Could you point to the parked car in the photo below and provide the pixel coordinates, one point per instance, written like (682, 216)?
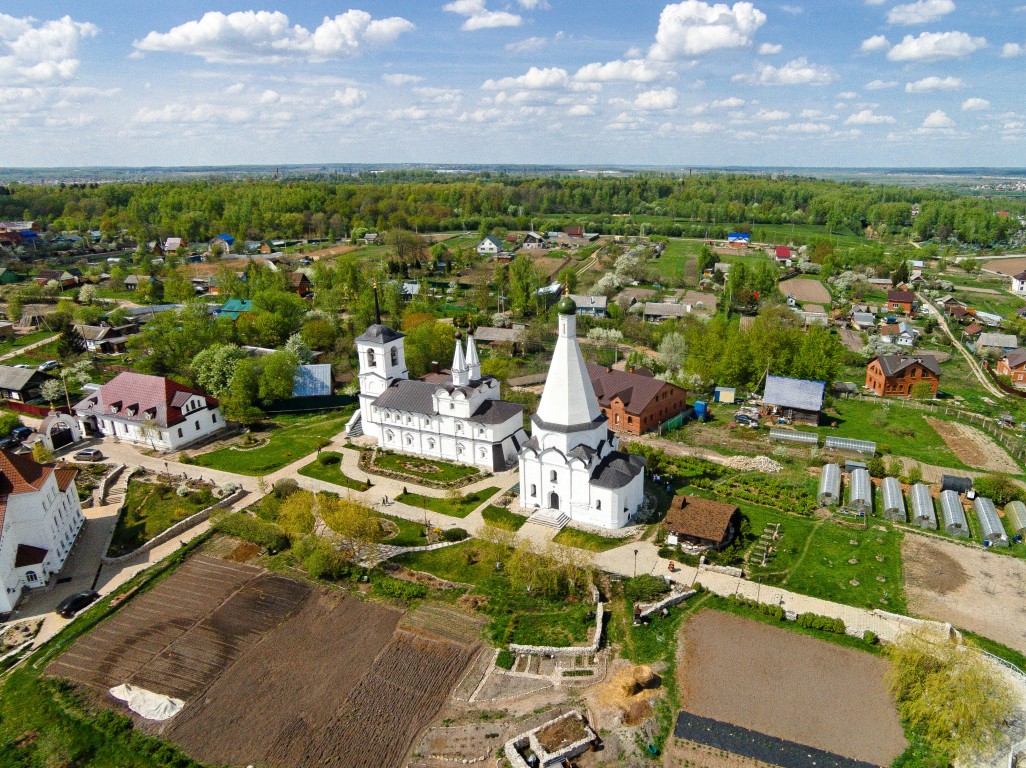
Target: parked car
(88, 454)
(8, 442)
(22, 365)
(20, 433)
(69, 606)
(49, 365)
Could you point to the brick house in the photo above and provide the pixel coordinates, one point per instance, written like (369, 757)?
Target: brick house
(635, 403)
(1013, 365)
(900, 301)
(896, 375)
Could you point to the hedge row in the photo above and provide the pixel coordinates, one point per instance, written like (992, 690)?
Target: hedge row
(251, 529)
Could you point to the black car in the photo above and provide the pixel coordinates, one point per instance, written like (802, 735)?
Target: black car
(20, 433)
(69, 606)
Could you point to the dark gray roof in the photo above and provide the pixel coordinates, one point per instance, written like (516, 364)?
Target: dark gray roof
(802, 394)
(617, 470)
(568, 428)
(496, 412)
(379, 334)
(18, 378)
(893, 364)
(583, 452)
(1016, 357)
(408, 395)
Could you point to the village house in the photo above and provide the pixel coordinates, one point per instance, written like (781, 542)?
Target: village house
(490, 246)
(149, 410)
(21, 384)
(106, 339)
(1019, 284)
(172, 244)
(8, 276)
(233, 308)
(68, 278)
(591, 306)
(633, 402)
(900, 301)
(534, 240)
(782, 256)
(137, 282)
(40, 518)
(904, 334)
(863, 321)
(797, 400)
(299, 283)
(701, 523)
(1013, 365)
(896, 375)
(996, 343)
(221, 244)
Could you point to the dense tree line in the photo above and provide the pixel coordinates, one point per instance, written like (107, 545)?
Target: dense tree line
(647, 203)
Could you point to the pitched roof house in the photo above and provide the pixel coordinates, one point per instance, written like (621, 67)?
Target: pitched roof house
(235, 307)
(1019, 284)
(633, 402)
(68, 278)
(702, 522)
(896, 375)
(1013, 365)
(489, 246)
(996, 342)
(900, 301)
(799, 400)
(299, 283)
(21, 384)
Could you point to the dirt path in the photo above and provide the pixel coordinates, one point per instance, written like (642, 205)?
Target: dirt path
(973, 365)
(973, 447)
(23, 350)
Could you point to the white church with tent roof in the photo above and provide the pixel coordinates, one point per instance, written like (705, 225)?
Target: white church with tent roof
(455, 415)
(571, 468)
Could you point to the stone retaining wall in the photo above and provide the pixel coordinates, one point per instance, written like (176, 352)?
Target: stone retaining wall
(674, 598)
(101, 491)
(945, 630)
(737, 573)
(567, 650)
(176, 529)
(530, 740)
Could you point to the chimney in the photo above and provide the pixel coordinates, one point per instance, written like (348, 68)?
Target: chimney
(632, 369)
(609, 369)
(434, 366)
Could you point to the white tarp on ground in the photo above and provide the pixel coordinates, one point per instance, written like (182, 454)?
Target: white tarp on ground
(152, 706)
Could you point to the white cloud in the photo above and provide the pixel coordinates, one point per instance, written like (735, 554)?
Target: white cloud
(528, 45)
(693, 28)
(632, 70)
(192, 113)
(879, 85)
(796, 72)
(769, 49)
(349, 97)
(479, 17)
(934, 83)
(732, 102)
(408, 113)
(580, 110)
(265, 36)
(1009, 50)
(534, 5)
(656, 99)
(875, 44)
(938, 120)
(868, 117)
(771, 115)
(533, 79)
(933, 46)
(398, 79)
(704, 127)
(794, 10)
(33, 52)
(439, 95)
(847, 95)
(816, 114)
(975, 104)
(807, 128)
(920, 12)
(875, 2)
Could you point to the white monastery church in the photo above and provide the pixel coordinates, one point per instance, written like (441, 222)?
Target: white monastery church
(454, 416)
(571, 467)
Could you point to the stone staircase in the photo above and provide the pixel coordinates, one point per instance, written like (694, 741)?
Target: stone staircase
(552, 518)
(116, 493)
(355, 426)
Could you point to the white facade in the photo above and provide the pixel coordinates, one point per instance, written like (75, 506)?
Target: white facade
(37, 529)
(490, 246)
(1019, 284)
(571, 463)
(199, 422)
(459, 419)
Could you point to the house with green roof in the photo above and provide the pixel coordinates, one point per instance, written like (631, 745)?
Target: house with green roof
(235, 307)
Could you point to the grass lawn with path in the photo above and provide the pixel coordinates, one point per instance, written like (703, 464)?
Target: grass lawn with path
(292, 438)
(453, 507)
(428, 469)
(593, 542)
(409, 533)
(150, 509)
(332, 472)
(502, 518)
(20, 342)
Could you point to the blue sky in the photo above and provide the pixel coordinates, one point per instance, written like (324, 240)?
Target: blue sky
(814, 83)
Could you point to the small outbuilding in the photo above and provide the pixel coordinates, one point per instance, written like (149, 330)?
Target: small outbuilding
(702, 522)
(923, 513)
(990, 524)
(829, 486)
(893, 500)
(798, 400)
(953, 515)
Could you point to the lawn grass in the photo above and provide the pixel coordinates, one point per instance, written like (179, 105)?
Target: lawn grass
(593, 542)
(35, 357)
(292, 438)
(679, 260)
(460, 507)
(19, 342)
(567, 626)
(150, 509)
(332, 473)
(410, 534)
(896, 429)
(502, 518)
(427, 469)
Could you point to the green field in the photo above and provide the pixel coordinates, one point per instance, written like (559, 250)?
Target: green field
(679, 261)
(332, 473)
(453, 507)
(502, 518)
(20, 342)
(293, 438)
(426, 469)
(150, 509)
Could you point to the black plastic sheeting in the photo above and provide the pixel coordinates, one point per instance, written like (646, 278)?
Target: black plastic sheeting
(758, 746)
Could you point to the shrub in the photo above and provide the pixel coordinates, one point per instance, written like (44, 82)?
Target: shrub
(404, 590)
(644, 588)
(325, 562)
(327, 459)
(184, 458)
(505, 659)
(869, 637)
(284, 488)
(259, 532)
(454, 534)
(821, 623)
(876, 467)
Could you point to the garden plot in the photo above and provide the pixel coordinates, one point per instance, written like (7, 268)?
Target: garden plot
(790, 686)
(972, 588)
(806, 289)
(974, 448)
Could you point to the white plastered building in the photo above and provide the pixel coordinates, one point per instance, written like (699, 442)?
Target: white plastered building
(40, 518)
(571, 466)
(456, 416)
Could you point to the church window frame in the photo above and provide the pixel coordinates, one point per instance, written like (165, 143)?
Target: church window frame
(395, 355)
(552, 476)
(371, 361)
(534, 490)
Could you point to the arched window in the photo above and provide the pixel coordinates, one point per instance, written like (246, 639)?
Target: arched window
(371, 362)
(409, 439)
(459, 427)
(395, 356)
(460, 449)
(534, 489)
(552, 475)
(431, 443)
(389, 435)
(483, 453)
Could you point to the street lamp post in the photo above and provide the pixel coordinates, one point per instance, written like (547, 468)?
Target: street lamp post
(635, 563)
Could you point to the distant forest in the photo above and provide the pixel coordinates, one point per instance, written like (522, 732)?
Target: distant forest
(425, 201)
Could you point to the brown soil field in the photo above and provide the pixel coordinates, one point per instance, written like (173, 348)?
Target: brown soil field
(973, 447)
(970, 587)
(805, 289)
(679, 752)
(788, 685)
(1006, 266)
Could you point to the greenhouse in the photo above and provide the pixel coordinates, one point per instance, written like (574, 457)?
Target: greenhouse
(860, 493)
(893, 501)
(866, 447)
(829, 486)
(794, 436)
(1015, 514)
(953, 514)
(923, 513)
(990, 524)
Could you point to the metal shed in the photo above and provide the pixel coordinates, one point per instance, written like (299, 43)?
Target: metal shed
(990, 524)
(860, 493)
(829, 486)
(923, 513)
(953, 514)
(893, 501)
(1015, 514)
(794, 436)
